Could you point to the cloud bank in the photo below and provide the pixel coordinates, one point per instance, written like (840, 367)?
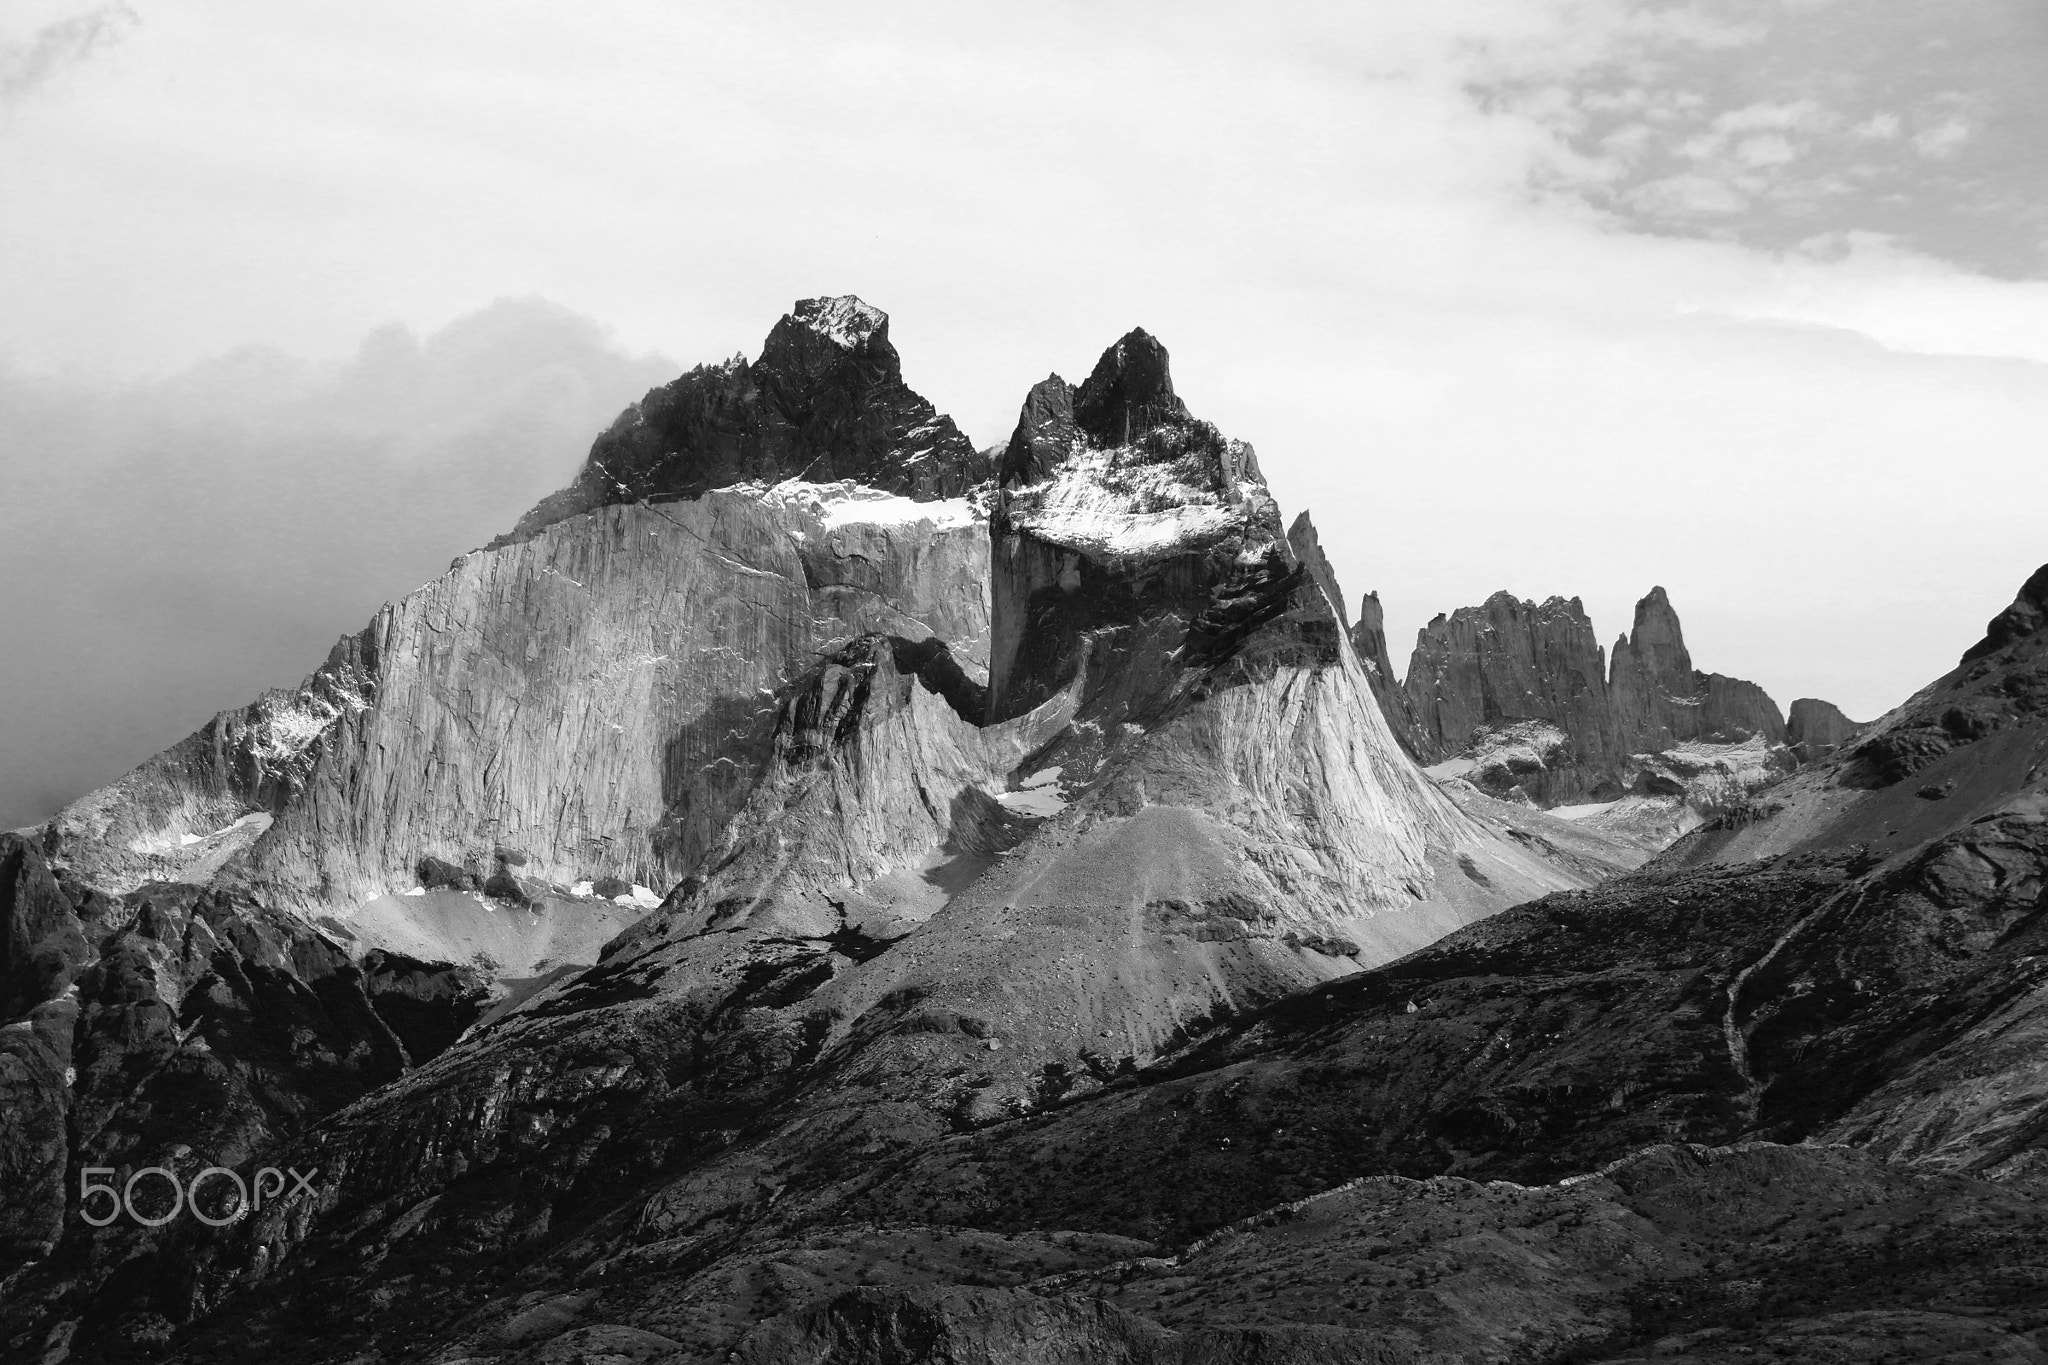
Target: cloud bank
(172, 548)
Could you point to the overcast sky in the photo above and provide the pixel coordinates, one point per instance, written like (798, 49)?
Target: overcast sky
(1742, 298)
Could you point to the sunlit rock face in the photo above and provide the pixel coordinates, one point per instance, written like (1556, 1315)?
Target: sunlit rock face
(594, 697)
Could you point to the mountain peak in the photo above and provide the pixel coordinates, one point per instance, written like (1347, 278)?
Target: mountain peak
(825, 402)
(843, 320)
(1129, 392)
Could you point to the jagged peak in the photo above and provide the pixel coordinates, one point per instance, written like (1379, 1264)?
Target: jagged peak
(1045, 433)
(1129, 392)
(824, 403)
(844, 320)
(1120, 467)
(819, 336)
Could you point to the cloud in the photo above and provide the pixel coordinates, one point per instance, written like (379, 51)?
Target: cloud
(1916, 123)
(176, 547)
(28, 67)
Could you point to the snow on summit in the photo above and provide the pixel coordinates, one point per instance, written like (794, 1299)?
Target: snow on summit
(845, 320)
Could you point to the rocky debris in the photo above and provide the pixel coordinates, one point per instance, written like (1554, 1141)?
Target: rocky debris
(824, 402)
(1816, 729)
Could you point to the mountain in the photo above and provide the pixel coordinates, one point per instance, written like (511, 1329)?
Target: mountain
(1518, 699)
(1055, 771)
(1042, 950)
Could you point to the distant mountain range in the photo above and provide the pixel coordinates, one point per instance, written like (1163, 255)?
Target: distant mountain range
(817, 891)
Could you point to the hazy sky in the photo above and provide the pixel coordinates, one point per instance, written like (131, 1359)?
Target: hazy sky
(1562, 296)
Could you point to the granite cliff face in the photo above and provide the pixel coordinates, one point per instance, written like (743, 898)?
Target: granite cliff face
(1508, 661)
(592, 700)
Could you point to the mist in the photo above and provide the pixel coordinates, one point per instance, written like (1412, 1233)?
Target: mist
(171, 548)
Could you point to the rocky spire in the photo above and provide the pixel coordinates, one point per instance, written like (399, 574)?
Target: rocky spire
(1659, 699)
(826, 401)
(1308, 548)
(1129, 392)
(1045, 434)
(1509, 661)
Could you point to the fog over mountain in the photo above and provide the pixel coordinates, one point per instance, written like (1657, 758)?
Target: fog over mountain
(193, 539)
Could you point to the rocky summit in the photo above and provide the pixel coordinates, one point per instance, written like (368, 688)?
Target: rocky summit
(814, 892)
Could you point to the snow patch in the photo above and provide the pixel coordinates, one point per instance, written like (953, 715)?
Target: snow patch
(1449, 768)
(1581, 811)
(837, 506)
(187, 840)
(1124, 501)
(417, 891)
(640, 896)
(844, 321)
(582, 888)
(1042, 794)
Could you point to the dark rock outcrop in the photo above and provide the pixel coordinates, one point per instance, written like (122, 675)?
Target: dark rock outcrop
(1522, 699)
(1508, 661)
(1816, 729)
(179, 1027)
(824, 402)
(1660, 700)
(1308, 552)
